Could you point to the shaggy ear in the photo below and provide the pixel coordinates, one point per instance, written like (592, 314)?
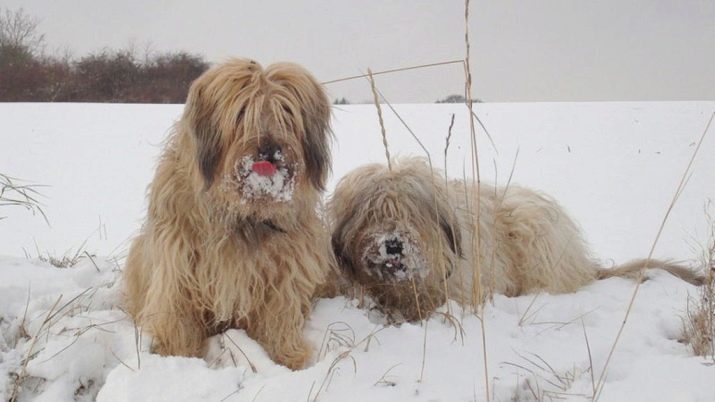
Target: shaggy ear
(344, 260)
(198, 114)
(452, 234)
(316, 142)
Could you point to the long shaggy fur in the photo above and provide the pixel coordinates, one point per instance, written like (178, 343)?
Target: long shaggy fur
(215, 252)
(412, 240)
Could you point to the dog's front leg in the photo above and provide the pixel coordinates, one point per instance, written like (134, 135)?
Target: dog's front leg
(175, 324)
(278, 327)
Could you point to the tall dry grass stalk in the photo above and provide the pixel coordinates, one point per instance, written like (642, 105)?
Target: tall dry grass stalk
(477, 296)
(394, 70)
(678, 191)
(379, 116)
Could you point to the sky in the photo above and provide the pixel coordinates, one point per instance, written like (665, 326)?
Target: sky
(545, 50)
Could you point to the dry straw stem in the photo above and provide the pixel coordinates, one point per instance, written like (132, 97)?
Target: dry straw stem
(476, 275)
(379, 116)
(394, 70)
(676, 196)
(446, 147)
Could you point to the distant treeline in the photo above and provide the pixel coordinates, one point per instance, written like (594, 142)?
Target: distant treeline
(28, 75)
(110, 76)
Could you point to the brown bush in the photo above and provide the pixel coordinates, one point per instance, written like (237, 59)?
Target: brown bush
(26, 75)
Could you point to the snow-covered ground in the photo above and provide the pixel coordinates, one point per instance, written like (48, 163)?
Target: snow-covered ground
(613, 166)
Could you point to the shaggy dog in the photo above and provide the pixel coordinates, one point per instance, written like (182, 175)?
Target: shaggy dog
(232, 237)
(412, 241)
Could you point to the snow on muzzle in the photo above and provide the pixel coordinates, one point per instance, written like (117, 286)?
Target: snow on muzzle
(394, 256)
(266, 177)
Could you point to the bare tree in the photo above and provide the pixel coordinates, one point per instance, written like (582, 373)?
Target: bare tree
(19, 31)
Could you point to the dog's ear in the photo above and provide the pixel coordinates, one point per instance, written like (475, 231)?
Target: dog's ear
(342, 255)
(452, 234)
(314, 105)
(344, 261)
(199, 115)
(316, 142)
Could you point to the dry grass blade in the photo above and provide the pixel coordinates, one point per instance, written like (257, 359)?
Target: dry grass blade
(407, 126)
(525, 316)
(120, 360)
(590, 360)
(137, 344)
(489, 136)
(457, 326)
(383, 379)
(394, 70)
(379, 116)
(446, 145)
(676, 196)
(13, 193)
(339, 334)
(329, 375)
(253, 367)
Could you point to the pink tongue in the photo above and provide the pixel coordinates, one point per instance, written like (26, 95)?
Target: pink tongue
(263, 168)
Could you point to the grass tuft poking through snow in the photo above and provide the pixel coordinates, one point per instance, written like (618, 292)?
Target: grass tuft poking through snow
(699, 323)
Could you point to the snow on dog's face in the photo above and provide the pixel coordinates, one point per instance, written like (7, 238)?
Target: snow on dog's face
(268, 178)
(393, 256)
(261, 139)
(395, 233)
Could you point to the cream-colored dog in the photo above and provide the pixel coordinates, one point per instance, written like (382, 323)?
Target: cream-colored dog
(232, 237)
(412, 241)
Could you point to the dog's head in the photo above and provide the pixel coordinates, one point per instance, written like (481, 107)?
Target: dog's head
(261, 136)
(395, 232)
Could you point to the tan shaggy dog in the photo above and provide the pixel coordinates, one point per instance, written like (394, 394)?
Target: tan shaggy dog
(411, 241)
(232, 237)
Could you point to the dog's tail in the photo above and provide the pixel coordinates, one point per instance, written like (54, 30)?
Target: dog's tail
(632, 270)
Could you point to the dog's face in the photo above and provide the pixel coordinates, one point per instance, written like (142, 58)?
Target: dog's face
(395, 232)
(261, 136)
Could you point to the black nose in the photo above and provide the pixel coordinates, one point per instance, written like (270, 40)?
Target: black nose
(393, 247)
(269, 151)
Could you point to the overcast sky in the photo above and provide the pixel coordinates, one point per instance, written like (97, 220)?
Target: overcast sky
(522, 50)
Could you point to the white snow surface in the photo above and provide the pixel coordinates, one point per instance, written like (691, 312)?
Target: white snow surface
(613, 166)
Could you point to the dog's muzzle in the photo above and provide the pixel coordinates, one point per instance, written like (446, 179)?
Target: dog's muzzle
(394, 256)
(265, 176)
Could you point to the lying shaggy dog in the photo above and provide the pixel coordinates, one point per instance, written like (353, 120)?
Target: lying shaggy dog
(412, 241)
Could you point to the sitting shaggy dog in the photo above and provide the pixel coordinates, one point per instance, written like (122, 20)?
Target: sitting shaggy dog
(412, 241)
(232, 237)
